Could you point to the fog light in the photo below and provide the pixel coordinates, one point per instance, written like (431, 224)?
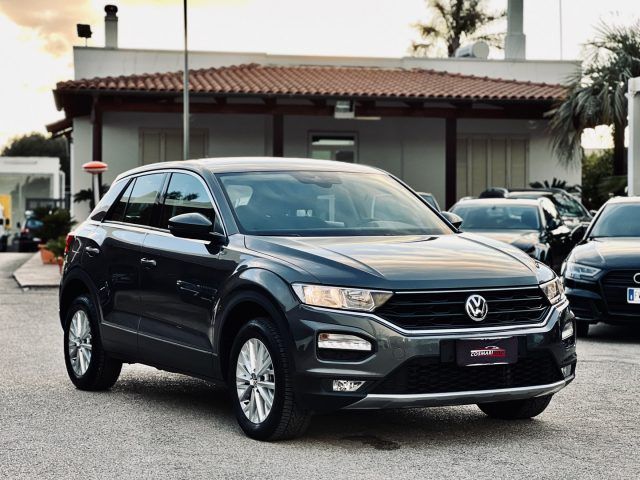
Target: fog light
(566, 371)
(339, 341)
(567, 331)
(347, 385)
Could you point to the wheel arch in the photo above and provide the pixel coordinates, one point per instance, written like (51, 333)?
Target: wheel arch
(75, 283)
(255, 293)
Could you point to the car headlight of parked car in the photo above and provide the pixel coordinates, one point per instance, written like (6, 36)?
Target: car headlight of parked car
(577, 271)
(341, 297)
(554, 291)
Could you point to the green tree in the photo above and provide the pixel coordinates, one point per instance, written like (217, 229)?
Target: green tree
(597, 94)
(454, 22)
(37, 145)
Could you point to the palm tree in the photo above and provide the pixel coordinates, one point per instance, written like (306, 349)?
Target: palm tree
(597, 94)
(453, 22)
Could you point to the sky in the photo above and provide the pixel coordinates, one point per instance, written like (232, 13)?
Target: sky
(37, 36)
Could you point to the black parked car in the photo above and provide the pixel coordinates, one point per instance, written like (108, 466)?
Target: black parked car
(533, 226)
(308, 286)
(29, 236)
(602, 274)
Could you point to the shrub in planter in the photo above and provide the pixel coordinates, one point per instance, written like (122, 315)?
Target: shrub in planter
(55, 225)
(56, 247)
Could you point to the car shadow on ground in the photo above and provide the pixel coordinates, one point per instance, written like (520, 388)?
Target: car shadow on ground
(176, 395)
(604, 333)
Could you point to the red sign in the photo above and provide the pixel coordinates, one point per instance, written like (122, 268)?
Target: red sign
(95, 167)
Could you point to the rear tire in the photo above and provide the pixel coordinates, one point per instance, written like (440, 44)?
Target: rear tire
(582, 328)
(88, 365)
(286, 418)
(516, 409)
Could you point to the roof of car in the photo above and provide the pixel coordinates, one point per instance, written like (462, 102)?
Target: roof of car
(624, 200)
(254, 164)
(499, 201)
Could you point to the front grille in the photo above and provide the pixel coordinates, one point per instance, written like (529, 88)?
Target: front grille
(614, 290)
(428, 375)
(446, 309)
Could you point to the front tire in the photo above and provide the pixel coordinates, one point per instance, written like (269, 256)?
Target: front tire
(88, 365)
(516, 409)
(260, 379)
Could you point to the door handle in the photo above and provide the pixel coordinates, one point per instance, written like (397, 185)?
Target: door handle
(92, 251)
(147, 262)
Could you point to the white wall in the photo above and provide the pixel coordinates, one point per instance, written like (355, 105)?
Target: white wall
(100, 62)
(411, 148)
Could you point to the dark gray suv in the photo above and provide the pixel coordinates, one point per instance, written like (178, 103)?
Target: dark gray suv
(308, 286)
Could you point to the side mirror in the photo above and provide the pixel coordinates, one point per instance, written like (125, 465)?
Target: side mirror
(195, 226)
(593, 212)
(452, 218)
(577, 234)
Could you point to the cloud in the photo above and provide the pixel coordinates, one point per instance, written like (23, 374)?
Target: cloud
(53, 20)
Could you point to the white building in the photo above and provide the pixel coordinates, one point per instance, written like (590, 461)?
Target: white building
(448, 126)
(29, 182)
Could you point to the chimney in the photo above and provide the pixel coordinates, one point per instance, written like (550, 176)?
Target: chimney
(111, 26)
(515, 42)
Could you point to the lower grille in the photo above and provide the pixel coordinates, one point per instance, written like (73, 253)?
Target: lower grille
(446, 309)
(429, 375)
(614, 289)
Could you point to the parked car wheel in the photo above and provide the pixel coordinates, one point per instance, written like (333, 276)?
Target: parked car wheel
(583, 329)
(261, 384)
(516, 409)
(88, 365)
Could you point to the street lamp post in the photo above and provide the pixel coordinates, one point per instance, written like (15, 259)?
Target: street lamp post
(95, 169)
(185, 92)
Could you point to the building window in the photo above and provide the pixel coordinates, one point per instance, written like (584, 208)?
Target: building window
(484, 162)
(339, 147)
(164, 145)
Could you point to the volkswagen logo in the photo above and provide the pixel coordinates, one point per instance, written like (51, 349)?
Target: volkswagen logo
(636, 277)
(476, 307)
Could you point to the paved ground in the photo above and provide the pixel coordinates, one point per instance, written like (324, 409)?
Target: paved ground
(33, 273)
(159, 425)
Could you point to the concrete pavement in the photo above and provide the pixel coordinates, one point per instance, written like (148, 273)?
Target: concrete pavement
(34, 274)
(155, 424)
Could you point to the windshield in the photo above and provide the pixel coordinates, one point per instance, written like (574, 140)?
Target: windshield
(315, 203)
(567, 205)
(498, 217)
(620, 220)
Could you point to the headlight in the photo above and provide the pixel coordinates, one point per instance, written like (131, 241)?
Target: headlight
(553, 290)
(339, 297)
(576, 271)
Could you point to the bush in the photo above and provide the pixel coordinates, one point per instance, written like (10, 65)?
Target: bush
(598, 182)
(55, 223)
(57, 246)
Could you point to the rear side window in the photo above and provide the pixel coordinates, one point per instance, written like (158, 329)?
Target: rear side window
(117, 212)
(105, 203)
(185, 194)
(142, 199)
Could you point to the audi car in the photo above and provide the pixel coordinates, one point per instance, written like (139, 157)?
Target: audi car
(602, 274)
(533, 226)
(308, 286)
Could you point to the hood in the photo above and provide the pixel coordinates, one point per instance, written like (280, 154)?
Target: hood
(403, 263)
(609, 252)
(522, 239)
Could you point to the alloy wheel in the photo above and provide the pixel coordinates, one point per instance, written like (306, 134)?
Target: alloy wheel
(79, 343)
(255, 380)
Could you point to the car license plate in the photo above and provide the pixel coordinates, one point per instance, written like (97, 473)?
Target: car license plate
(487, 351)
(633, 295)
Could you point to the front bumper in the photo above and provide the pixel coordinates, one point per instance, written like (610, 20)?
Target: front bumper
(590, 304)
(377, 401)
(395, 349)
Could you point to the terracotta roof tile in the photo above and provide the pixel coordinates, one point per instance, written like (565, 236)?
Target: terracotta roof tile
(335, 81)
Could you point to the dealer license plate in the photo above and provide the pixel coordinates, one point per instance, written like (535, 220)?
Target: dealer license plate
(487, 351)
